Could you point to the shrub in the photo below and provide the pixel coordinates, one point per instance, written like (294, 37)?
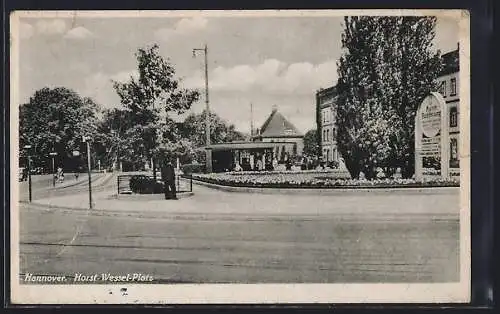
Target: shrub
(193, 168)
(142, 184)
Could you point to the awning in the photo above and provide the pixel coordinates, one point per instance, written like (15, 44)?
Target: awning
(247, 145)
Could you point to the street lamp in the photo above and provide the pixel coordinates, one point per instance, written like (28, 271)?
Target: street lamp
(27, 148)
(53, 155)
(86, 139)
(207, 116)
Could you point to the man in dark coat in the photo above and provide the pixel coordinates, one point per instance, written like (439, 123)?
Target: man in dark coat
(168, 178)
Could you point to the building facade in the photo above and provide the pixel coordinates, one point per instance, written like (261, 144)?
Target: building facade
(278, 129)
(326, 124)
(277, 142)
(448, 87)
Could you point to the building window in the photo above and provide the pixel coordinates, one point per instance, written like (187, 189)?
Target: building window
(454, 162)
(453, 149)
(327, 155)
(453, 117)
(442, 89)
(324, 135)
(327, 135)
(453, 87)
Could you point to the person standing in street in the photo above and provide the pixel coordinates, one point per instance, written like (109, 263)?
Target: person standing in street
(168, 178)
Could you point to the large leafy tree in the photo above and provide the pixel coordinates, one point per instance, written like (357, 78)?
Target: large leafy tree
(192, 135)
(112, 137)
(55, 119)
(388, 66)
(152, 99)
(311, 147)
(193, 128)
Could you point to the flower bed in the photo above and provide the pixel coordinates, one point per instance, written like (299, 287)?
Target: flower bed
(312, 179)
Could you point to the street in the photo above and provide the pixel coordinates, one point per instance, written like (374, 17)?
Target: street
(257, 247)
(42, 186)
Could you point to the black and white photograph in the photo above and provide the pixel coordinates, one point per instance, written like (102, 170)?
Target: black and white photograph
(287, 156)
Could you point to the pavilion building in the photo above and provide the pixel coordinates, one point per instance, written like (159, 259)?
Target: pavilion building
(277, 141)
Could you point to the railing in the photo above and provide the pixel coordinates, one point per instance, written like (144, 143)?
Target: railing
(182, 185)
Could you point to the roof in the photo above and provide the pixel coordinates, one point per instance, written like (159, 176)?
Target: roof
(326, 96)
(450, 61)
(246, 145)
(276, 125)
(332, 90)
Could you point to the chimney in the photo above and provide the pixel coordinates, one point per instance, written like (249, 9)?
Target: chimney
(275, 108)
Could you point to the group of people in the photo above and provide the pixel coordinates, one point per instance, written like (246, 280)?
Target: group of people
(259, 165)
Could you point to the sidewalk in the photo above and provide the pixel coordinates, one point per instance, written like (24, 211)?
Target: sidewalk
(208, 202)
(70, 180)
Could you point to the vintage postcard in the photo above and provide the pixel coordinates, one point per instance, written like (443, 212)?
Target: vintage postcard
(286, 156)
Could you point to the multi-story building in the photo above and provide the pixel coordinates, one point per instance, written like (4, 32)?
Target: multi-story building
(326, 123)
(448, 87)
(448, 82)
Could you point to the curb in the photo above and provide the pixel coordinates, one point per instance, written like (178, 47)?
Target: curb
(146, 197)
(333, 191)
(385, 218)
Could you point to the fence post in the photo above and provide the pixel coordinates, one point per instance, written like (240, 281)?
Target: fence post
(118, 185)
(178, 187)
(190, 183)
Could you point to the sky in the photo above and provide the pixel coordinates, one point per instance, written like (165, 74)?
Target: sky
(264, 61)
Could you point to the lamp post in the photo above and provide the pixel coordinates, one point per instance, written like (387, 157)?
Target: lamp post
(28, 147)
(207, 116)
(53, 155)
(86, 139)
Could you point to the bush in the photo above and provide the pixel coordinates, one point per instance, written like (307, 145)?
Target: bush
(142, 184)
(193, 168)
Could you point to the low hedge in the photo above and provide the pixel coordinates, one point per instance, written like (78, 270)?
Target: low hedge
(142, 184)
(193, 168)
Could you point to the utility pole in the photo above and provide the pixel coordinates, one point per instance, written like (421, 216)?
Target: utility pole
(28, 148)
(53, 155)
(87, 140)
(251, 121)
(207, 115)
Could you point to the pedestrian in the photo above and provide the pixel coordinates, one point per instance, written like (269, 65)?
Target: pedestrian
(238, 167)
(60, 174)
(168, 178)
(275, 164)
(259, 164)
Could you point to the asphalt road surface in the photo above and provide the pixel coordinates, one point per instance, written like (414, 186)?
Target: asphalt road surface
(42, 186)
(237, 249)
